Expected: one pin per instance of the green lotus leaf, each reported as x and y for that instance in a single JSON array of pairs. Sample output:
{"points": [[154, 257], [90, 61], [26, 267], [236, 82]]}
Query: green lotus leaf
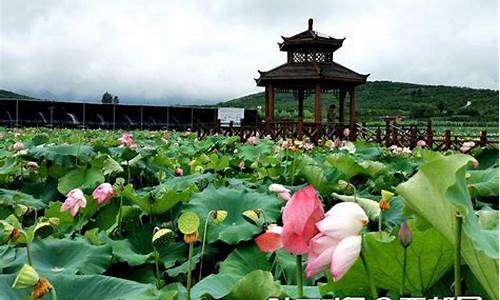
{"points": [[125, 251], [88, 287], [45, 191], [52, 256], [350, 166], [9, 197], [65, 218], [80, 178], [234, 228], [111, 166], [430, 256], [9, 167], [323, 178], [483, 183], [64, 155], [240, 262], [165, 196], [436, 193], [258, 285]]}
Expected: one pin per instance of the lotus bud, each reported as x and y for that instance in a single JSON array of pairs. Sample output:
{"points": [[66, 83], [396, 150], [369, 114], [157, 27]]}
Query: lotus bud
{"points": [[219, 216], [162, 237], [27, 277], [252, 216], [405, 236]]}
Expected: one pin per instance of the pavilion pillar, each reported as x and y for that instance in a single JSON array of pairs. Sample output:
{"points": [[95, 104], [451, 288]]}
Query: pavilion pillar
{"points": [[317, 104], [300, 125], [342, 94], [269, 113], [352, 112], [300, 97]]}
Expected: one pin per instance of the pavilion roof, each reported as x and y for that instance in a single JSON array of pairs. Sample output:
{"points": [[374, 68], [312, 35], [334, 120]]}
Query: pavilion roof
{"points": [[311, 71], [310, 39]]}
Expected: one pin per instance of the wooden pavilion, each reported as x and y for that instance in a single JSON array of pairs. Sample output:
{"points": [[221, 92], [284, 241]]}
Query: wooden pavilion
{"points": [[310, 69]]}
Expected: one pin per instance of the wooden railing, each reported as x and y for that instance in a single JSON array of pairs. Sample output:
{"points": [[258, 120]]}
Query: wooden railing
{"points": [[403, 135]]}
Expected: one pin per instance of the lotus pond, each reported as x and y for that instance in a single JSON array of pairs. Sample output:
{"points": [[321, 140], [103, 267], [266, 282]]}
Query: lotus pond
{"points": [[89, 214]]}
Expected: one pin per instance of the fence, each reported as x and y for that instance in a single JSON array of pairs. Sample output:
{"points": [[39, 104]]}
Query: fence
{"points": [[390, 134]]}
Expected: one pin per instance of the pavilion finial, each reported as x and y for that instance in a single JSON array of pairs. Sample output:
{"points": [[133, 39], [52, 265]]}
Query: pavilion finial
{"points": [[310, 22]]}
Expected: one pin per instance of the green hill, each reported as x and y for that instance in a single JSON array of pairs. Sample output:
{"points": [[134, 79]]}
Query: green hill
{"points": [[379, 98], [12, 95]]}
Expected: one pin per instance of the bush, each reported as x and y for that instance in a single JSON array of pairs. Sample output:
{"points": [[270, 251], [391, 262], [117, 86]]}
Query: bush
{"points": [[469, 112], [419, 111]]}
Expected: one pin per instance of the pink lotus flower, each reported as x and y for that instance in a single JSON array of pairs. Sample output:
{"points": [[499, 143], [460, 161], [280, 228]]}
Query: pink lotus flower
{"points": [[242, 165], [179, 172], [308, 146], [128, 141], [338, 242], [103, 193], [406, 150], [18, 146], [270, 241], [300, 215], [421, 143], [467, 146], [75, 199], [396, 149], [32, 165], [338, 143], [253, 140], [283, 192], [287, 144]]}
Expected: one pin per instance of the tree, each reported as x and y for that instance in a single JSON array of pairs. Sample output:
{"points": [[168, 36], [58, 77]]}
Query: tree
{"points": [[422, 110], [107, 98], [440, 107]]}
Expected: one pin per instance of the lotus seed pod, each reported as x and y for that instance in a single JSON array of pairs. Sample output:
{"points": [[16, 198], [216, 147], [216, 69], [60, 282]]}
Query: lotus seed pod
{"points": [[27, 277], [43, 229], [188, 222], [219, 216], [343, 185], [386, 195], [20, 210], [162, 237], [54, 221], [6, 231], [252, 216]]}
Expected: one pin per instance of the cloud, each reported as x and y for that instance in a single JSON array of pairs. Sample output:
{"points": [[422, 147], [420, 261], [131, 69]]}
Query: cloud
{"points": [[208, 51]]}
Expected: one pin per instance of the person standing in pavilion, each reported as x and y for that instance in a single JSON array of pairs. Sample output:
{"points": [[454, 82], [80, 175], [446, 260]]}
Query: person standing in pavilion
{"points": [[330, 117]]}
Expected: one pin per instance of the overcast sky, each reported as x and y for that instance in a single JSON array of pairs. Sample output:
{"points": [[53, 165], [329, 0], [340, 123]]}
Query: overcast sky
{"points": [[208, 51]]}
